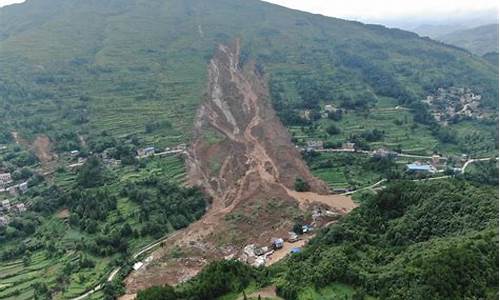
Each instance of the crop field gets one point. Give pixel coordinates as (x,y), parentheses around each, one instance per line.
(18,276)
(343,170)
(128,116)
(412,138)
(476,138)
(172,167)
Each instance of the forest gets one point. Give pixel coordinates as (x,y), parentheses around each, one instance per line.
(396,245)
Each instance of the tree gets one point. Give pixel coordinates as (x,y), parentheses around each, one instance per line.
(333,130)
(335,115)
(301,185)
(92,173)
(41,291)
(158,293)
(27,258)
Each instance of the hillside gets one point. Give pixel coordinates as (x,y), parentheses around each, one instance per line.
(479,40)
(55,54)
(410,241)
(175,133)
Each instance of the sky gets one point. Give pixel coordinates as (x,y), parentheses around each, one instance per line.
(379,9)
(387,11)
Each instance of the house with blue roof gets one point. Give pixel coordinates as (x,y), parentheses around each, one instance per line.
(421,168)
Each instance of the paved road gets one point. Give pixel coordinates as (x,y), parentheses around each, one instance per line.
(470,161)
(158,242)
(113,274)
(367,187)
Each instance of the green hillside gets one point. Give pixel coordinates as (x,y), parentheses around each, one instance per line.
(479,40)
(109,77)
(89,66)
(433,240)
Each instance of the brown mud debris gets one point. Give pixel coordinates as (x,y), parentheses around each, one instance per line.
(243,157)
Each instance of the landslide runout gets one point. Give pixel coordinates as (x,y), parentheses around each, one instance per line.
(253,144)
(241,155)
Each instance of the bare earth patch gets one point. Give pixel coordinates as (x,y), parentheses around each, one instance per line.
(249,171)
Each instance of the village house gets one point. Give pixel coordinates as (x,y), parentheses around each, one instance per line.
(330,108)
(435,159)
(20,207)
(292,237)
(12,191)
(381,152)
(4,221)
(314,145)
(306,114)
(23,187)
(6,204)
(421,168)
(146,151)
(5,178)
(349,146)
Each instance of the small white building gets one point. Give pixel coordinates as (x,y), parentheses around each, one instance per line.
(314,145)
(330,108)
(4,221)
(23,187)
(138,265)
(5,178)
(146,151)
(349,146)
(6,204)
(20,207)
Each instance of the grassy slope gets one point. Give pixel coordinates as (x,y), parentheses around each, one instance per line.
(16,279)
(479,40)
(144,60)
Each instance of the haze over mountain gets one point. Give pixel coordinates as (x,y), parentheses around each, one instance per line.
(479,40)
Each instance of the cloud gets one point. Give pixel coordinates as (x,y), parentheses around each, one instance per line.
(388,9)
(7,2)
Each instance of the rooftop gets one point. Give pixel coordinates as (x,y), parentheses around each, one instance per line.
(419,167)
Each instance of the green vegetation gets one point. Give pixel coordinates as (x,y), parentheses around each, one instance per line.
(478,40)
(397,245)
(216,280)
(301,185)
(108,93)
(483,172)
(111,214)
(352,170)
(87,80)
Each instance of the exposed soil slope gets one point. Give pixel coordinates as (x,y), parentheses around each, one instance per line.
(244,159)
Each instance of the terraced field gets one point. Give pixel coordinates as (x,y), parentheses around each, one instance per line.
(18,276)
(343,170)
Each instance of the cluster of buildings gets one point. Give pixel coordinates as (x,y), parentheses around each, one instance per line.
(454,102)
(258,256)
(6,185)
(318,145)
(7,209)
(328,108)
(150,151)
